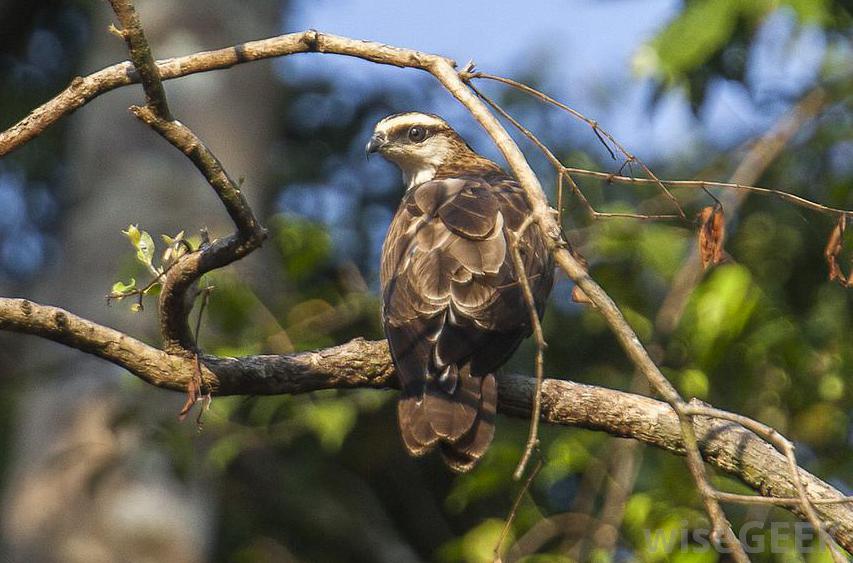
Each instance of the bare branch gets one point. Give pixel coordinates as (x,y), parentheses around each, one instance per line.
(515,506)
(705,184)
(596,128)
(562,170)
(82,90)
(143,59)
(727,445)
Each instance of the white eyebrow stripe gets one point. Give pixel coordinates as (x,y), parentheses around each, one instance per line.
(408,120)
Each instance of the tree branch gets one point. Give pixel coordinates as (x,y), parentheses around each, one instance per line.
(726,445)
(176,298)
(143,59)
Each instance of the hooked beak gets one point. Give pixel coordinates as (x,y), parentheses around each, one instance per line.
(375,144)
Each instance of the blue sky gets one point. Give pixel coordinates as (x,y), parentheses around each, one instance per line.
(584,47)
(586,50)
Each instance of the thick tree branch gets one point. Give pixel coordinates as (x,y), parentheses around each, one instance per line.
(728,446)
(82,90)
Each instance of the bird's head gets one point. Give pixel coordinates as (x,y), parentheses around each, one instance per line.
(418,143)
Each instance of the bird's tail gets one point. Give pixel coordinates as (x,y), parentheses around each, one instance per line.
(461,423)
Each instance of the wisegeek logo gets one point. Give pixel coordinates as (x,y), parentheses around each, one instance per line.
(755,536)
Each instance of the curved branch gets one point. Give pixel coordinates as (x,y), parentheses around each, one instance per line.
(82,90)
(176,299)
(728,446)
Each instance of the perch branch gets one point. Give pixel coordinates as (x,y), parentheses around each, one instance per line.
(725,444)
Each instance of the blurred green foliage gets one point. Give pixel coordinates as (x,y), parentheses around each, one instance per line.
(709,38)
(324,477)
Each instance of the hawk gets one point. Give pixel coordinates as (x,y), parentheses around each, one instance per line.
(453,308)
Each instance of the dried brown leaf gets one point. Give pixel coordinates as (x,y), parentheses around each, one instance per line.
(193,392)
(833,251)
(712,233)
(192,396)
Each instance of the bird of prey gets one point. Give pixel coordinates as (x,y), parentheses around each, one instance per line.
(453,308)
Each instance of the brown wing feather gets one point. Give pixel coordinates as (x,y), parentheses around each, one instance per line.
(453,309)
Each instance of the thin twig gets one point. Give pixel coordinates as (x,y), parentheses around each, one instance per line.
(705,184)
(560,199)
(592,123)
(205,392)
(515,506)
(560,171)
(539,338)
(786,448)
(777,501)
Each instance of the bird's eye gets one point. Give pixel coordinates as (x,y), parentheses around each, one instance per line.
(417,134)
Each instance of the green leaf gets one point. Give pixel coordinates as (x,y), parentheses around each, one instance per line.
(693,38)
(225,450)
(172,240)
(153,289)
(136,307)
(145,248)
(304,245)
(702,30)
(175,248)
(477,545)
(719,312)
(121,287)
(133,234)
(694,383)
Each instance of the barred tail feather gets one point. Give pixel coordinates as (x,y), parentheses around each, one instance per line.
(461,423)
(463,454)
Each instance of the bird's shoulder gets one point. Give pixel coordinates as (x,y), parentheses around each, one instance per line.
(469,203)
